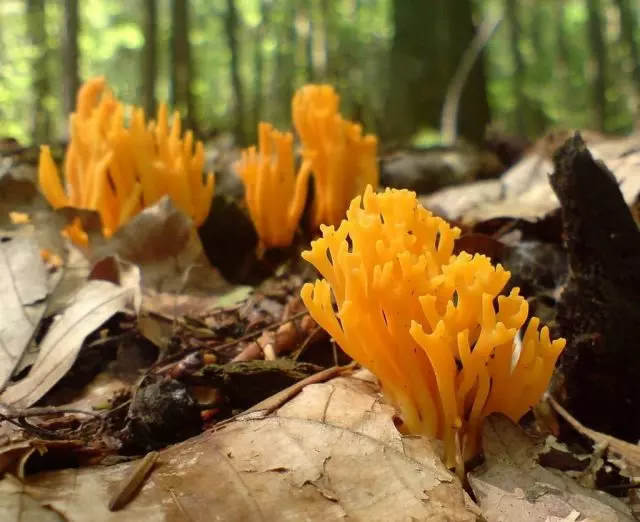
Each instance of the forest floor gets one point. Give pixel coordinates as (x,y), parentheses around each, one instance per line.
(179,376)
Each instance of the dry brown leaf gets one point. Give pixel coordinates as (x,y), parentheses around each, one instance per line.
(162,241)
(16,504)
(332,453)
(14,456)
(524,190)
(511,485)
(23,287)
(623,454)
(91,307)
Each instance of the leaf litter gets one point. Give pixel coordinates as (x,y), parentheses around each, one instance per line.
(172,340)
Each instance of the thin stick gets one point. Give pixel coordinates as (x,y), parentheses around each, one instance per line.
(42,412)
(133,482)
(230,344)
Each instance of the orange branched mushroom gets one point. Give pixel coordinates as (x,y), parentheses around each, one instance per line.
(119,170)
(425,322)
(343,161)
(274,194)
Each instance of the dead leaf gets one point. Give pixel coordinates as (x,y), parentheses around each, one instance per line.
(91,307)
(624,454)
(17,192)
(16,504)
(14,456)
(524,190)
(332,453)
(162,241)
(23,287)
(511,485)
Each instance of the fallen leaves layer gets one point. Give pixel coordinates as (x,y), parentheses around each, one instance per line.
(329,454)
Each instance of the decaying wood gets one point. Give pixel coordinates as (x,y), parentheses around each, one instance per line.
(600,306)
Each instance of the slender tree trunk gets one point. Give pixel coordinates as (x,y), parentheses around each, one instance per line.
(629,23)
(310,71)
(289,58)
(599,56)
(231,29)
(563,55)
(515,32)
(181,96)
(474,113)
(70,76)
(429,40)
(149,56)
(40,86)
(562,42)
(258,65)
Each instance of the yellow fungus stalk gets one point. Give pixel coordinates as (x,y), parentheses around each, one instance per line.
(431,325)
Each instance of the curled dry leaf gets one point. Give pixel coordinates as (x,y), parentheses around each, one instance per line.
(91,307)
(23,287)
(332,453)
(162,241)
(511,485)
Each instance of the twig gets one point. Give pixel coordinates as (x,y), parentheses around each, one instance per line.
(272,403)
(30,428)
(248,337)
(630,451)
(42,412)
(133,482)
(449,118)
(305,343)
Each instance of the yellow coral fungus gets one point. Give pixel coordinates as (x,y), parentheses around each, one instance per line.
(425,322)
(274,194)
(343,161)
(119,170)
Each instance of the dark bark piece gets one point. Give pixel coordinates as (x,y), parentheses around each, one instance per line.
(599,311)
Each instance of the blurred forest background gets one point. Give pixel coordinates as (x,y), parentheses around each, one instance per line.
(226,64)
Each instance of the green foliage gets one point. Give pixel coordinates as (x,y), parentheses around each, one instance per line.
(345,43)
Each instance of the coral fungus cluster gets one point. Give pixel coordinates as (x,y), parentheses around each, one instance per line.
(425,321)
(119,170)
(341,160)
(274,194)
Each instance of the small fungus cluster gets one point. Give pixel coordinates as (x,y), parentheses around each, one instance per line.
(119,170)
(274,194)
(340,159)
(431,325)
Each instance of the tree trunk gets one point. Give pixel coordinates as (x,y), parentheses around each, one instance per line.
(429,41)
(70,77)
(149,57)
(599,56)
(180,93)
(515,33)
(287,59)
(258,65)
(628,24)
(310,70)
(40,85)
(231,29)
(474,113)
